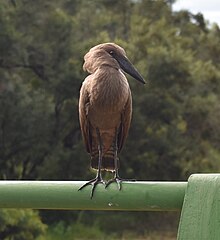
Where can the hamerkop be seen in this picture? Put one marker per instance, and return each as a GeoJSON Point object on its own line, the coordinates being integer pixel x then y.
{"type": "Point", "coordinates": [105, 108]}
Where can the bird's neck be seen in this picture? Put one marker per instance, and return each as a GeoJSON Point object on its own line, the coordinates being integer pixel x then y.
{"type": "Point", "coordinates": [111, 85]}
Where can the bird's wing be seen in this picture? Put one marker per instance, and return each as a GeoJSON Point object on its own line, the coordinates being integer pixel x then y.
{"type": "Point", "coordinates": [125, 123]}
{"type": "Point", "coordinates": [83, 117]}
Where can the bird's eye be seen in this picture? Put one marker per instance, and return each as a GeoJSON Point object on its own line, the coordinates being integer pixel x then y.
{"type": "Point", "coordinates": [111, 52]}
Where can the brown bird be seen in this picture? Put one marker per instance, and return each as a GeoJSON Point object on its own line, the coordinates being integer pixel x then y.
{"type": "Point", "coordinates": [105, 108]}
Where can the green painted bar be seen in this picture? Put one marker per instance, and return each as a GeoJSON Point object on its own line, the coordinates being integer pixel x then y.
{"type": "Point", "coordinates": [134, 196]}
{"type": "Point", "coordinates": [200, 216]}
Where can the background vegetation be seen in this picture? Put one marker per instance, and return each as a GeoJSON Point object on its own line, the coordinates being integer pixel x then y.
{"type": "Point", "coordinates": [175, 128]}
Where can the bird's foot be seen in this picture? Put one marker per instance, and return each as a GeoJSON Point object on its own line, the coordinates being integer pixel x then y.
{"type": "Point", "coordinates": [118, 180]}
{"type": "Point", "coordinates": [94, 182]}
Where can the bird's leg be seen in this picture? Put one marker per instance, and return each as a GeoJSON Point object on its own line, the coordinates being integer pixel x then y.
{"type": "Point", "coordinates": [98, 179]}
{"type": "Point", "coordinates": [116, 177]}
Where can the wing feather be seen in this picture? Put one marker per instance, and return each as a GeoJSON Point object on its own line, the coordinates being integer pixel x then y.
{"type": "Point", "coordinates": [125, 122]}
{"type": "Point", "coordinates": [84, 104]}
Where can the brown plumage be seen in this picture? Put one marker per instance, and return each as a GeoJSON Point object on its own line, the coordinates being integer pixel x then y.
{"type": "Point", "coordinates": [105, 107]}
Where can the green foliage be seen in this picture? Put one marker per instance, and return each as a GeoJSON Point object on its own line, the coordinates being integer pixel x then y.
{"type": "Point", "coordinates": [74, 231]}
{"type": "Point", "coordinates": [20, 225]}
{"type": "Point", "coordinates": [114, 225]}
{"type": "Point", "coordinates": [175, 129]}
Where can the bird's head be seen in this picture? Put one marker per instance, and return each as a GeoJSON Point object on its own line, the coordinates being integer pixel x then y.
{"type": "Point", "coordinates": [112, 55]}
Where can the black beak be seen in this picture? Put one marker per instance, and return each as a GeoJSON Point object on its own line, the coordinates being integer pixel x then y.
{"type": "Point", "coordinates": [127, 66]}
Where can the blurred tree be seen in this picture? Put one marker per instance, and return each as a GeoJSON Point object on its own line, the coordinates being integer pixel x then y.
{"type": "Point", "coordinates": [174, 130]}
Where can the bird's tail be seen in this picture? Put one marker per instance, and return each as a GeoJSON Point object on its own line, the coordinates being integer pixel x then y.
{"type": "Point", "coordinates": [108, 162]}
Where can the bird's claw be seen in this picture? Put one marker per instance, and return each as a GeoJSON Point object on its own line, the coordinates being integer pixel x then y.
{"type": "Point", "coordinates": [115, 179]}
{"type": "Point", "coordinates": [118, 180]}
{"type": "Point", "coordinates": [94, 182]}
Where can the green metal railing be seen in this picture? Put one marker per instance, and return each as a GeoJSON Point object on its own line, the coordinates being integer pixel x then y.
{"type": "Point", "coordinates": [134, 196]}
{"type": "Point", "coordinates": [198, 200]}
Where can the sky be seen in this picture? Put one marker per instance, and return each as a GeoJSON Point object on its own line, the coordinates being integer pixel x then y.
{"type": "Point", "coordinates": [209, 8]}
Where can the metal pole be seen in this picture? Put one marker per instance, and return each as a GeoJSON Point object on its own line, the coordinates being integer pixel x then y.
{"type": "Point", "coordinates": [134, 196]}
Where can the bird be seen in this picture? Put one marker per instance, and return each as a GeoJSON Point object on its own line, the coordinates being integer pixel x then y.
{"type": "Point", "coordinates": [105, 109]}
